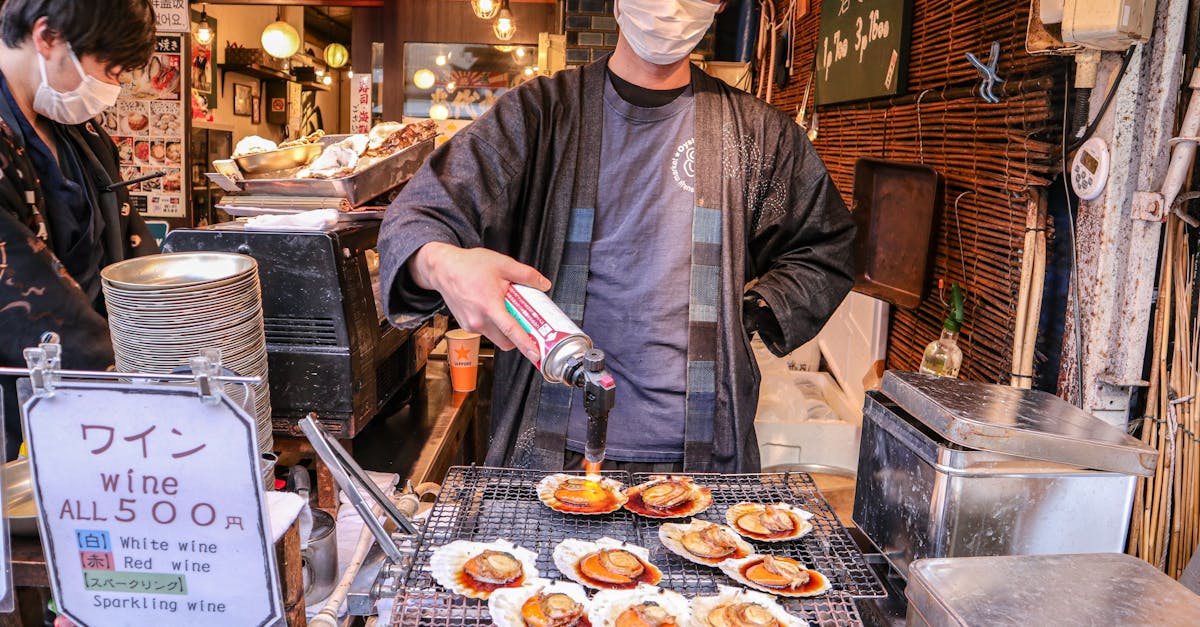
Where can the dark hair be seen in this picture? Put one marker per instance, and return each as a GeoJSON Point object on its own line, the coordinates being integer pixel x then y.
{"type": "Point", "coordinates": [119, 33]}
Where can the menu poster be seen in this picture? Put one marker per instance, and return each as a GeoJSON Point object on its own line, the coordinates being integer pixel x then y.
{"type": "Point", "coordinates": [151, 512]}
{"type": "Point", "coordinates": [172, 15]}
{"type": "Point", "coordinates": [147, 124]}
{"type": "Point", "coordinates": [360, 104]}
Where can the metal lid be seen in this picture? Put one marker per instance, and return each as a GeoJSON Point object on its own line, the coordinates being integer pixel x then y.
{"type": "Point", "coordinates": [1024, 423]}
{"type": "Point", "coordinates": [1060, 590]}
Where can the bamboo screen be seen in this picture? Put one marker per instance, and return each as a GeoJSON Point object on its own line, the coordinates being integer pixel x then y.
{"type": "Point", "coordinates": [991, 156]}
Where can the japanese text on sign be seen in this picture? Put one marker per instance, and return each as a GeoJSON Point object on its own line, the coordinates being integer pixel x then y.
{"type": "Point", "coordinates": [172, 15]}
{"type": "Point", "coordinates": [153, 510]}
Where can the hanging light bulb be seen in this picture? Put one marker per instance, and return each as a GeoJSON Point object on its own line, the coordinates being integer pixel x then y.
{"type": "Point", "coordinates": [204, 31]}
{"type": "Point", "coordinates": [350, 74]}
{"type": "Point", "coordinates": [451, 86]}
{"type": "Point", "coordinates": [327, 79]}
{"type": "Point", "coordinates": [485, 9]}
{"type": "Point", "coordinates": [336, 55]}
{"type": "Point", "coordinates": [439, 111]}
{"type": "Point", "coordinates": [505, 25]}
{"type": "Point", "coordinates": [440, 60]}
{"type": "Point", "coordinates": [280, 39]}
{"type": "Point", "coordinates": [423, 78]}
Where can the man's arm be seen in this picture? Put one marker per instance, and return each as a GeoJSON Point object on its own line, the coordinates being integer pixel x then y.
{"type": "Point", "coordinates": [805, 256]}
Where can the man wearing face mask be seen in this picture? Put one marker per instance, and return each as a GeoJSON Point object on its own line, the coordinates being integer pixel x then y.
{"type": "Point", "coordinates": [676, 215]}
{"type": "Point", "coordinates": [61, 219]}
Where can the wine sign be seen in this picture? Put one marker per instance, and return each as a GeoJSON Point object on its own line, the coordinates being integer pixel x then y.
{"type": "Point", "coordinates": [862, 50]}
{"type": "Point", "coordinates": [150, 505]}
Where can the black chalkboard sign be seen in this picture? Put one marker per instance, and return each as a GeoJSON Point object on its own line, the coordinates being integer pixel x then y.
{"type": "Point", "coordinates": [862, 50]}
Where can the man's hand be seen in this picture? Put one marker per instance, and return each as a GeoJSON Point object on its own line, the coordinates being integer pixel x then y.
{"type": "Point", "coordinates": [473, 282]}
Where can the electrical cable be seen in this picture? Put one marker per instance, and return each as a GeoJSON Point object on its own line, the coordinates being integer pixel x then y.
{"type": "Point", "coordinates": [1077, 317]}
{"type": "Point", "coordinates": [1112, 91]}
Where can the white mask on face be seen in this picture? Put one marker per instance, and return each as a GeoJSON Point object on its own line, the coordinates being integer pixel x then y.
{"type": "Point", "coordinates": [664, 31]}
{"type": "Point", "coordinates": [85, 102]}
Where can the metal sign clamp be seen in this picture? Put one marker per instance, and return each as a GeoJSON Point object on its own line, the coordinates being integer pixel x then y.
{"type": "Point", "coordinates": [44, 361]}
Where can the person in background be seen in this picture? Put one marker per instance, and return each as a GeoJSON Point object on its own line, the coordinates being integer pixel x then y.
{"type": "Point", "coordinates": [61, 217]}
{"type": "Point", "coordinates": [677, 216]}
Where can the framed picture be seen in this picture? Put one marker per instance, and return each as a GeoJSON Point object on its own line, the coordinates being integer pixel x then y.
{"type": "Point", "coordinates": [241, 100]}
{"type": "Point", "coordinates": [255, 110]}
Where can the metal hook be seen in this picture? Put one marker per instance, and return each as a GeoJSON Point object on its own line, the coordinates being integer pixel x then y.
{"type": "Point", "coordinates": [988, 71]}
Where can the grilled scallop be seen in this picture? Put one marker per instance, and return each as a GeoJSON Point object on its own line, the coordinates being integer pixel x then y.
{"type": "Point", "coordinates": [668, 497]}
{"type": "Point", "coordinates": [703, 542]}
{"type": "Point", "coordinates": [577, 494]}
{"type": "Point", "coordinates": [778, 575]}
{"type": "Point", "coordinates": [476, 569]}
{"type": "Point", "coordinates": [644, 606]}
{"type": "Point", "coordinates": [735, 607]}
{"type": "Point", "coordinates": [769, 523]}
{"type": "Point", "coordinates": [540, 603]}
{"type": "Point", "coordinates": [605, 564]}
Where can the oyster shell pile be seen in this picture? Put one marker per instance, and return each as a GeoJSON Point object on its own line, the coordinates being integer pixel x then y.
{"type": "Point", "coordinates": [579, 494]}
{"type": "Point", "coordinates": [702, 542]}
{"type": "Point", "coordinates": [605, 564]}
{"type": "Point", "coordinates": [359, 152]}
{"type": "Point", "coordinates": [475, 569]}
{"type": "Point", "coordinates": [769, 523]}
{"type": "Point", "coordinates": [540, 603]}
{"type": "Point", "coordinates": [783, 576]}
{"type": "Point", "coordinates": [668, 497]}
{"type": "Point", "coordinates": [734, 607]}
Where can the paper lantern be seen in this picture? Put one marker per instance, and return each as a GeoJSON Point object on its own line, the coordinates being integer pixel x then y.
{"type": "Point", "coordinates": [280, 40]}
{"type": "Point", "coordinates": [336, 55]}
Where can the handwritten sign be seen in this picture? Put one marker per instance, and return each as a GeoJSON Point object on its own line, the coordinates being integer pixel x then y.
{"type": "Point", "coordinates": [151, 511]}
{"type": "Point", "coordinates": [172, 16]}
{"type": "Point", "coordinates": [862, 49]}
{"type": "Point", "coordinates": [360, 104]}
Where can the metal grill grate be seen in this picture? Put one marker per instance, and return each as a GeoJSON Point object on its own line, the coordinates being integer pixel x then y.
{"type": "Point", "coordinates": [485, 504]}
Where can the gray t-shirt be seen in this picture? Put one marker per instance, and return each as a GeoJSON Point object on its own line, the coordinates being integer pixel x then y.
{"type": "Point", "coordinates": [640, 276]}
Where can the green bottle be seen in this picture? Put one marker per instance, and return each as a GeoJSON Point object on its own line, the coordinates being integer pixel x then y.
{"type": "Point", "coordinates": [943, 357]}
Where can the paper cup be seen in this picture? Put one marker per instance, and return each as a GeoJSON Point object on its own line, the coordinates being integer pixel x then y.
{"type": "Point", "coordinates": [462, 352]}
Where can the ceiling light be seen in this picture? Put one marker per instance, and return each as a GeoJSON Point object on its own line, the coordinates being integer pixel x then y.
{"type": "Point", "coordinates": [485, 9]}
{"type": "Point", "coordinates": [451, 86]}
{"type": "Point", "coordinates": [327, 79]}
{"type": "Point", "coordinates": [336, 55]}
{"type": "Point", "coordinates": [505, 25]}
{"type": "Point", "coordinates": [440, 60]}
{"type": "Point", "coordinates": [280, 39]}
{"type": "Point", "coordinates": [204, 31]}
{"type": "Point", "coordinates": [423, 78]}
{"type": "Point", "coordinates": [439, 111]}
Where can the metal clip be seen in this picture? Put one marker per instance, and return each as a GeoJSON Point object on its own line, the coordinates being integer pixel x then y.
{"type": "Point", "coordinates": [206, 368]}
{"type": "Point", "coordinates": [43, 363]}
{"type": "Point", "coordinates": [990, 78]}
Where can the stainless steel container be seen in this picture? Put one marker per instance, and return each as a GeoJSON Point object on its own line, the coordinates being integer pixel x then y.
{"type": "Point", "coordinates": [1052, 479]}
{"type": "Point", "coordinates": [1059, 590]}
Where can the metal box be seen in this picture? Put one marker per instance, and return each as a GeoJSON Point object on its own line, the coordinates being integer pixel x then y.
{"type": "Point", "coordinates": [1054, 480]}
{"type": "Point", "coordinates": [1059, 590]}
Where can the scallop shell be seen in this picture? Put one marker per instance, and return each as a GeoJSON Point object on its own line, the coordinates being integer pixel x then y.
{"type": "Point", "coordinates": [446, 563]}
{"type": "Point", "coordinates": [701, 498]}
{"type": "Point", "coordinates": [505, 604]}
{"type": "Point", "coordinates": [607, 605]}
{"type": "Point", "coordinates": [671, 536]}
{"type": "Point", "coordinates": [549, 484]}
{"type": "Point", "coordinates": [733, 568]}
{"type": "Point", "coordinates": [569, 552]}
{"type": "Point", "coordinates": [737, 511]}
{"type": "Point", "coordinates": [703, 606]}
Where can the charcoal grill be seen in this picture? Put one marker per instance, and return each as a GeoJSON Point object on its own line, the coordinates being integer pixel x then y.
{"type": "Point", "coordinates": [484, 504]}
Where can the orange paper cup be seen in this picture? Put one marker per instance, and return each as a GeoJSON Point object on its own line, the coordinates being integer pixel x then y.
{"type": "Point", "coordinates": [462, 351]}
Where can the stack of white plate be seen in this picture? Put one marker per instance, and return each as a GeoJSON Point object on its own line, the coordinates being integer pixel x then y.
{"type": "Point", "coordinates": [164, 309]}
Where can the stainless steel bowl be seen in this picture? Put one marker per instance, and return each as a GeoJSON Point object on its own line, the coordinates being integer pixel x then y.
{"type": "Point", "coordinates": [19, 506]}
{"type": "Point", "coordinates": [275, 160]}
{"type": "Point", "coordinates": [176, 270]}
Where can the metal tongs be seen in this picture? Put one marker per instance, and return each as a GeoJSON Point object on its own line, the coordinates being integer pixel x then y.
{"type": "Point", "coordinates": [352, 479]}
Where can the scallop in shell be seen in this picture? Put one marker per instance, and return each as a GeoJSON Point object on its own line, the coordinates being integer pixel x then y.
{"type": "Point", "coordinates": [451, 564]}
{"type": "Point", "coordinates": [783, 576]}
{"type": "Point", "coordinates": [508, 606]}
{"type": "Point", "coordinates": [639, 607]}
{"type": "Point", "coordinates": [579, 494]}
{"type": "Point", "coordinates": [769, 523]}
{"type": "Point", "coordinates": [668, 497]}
{"type": "Point", "coordinates": [703, 542]}
{"type": "Point", "coordinates": [737, 607]}
{"type": "Point", "coordinates": [605, 564]}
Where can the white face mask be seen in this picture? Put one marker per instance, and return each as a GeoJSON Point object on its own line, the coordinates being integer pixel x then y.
{"type": "Point", "coordinates": [664, 31]}
{"type": "Point", "coordinates": [85, 102]}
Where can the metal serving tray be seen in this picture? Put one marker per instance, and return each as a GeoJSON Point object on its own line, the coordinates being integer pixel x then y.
{"type": "Point", "coordinates": [358, 188]}
{"type": "Point", "coordinates": [485, 504]}
{"type": "Point", "coordinates": [1024, 423]}
{"type": "Point", "coordinates": [1060, 590]}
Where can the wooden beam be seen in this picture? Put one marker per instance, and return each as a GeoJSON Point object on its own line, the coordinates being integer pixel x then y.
{"type": "Point", "coordinates": [301, 3]}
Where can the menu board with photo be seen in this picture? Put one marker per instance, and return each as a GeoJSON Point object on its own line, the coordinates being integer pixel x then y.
{"type": "Point", "coordinates": [147, 125]}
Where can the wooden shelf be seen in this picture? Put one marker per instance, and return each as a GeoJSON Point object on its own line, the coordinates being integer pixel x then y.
{"type": "Point", "coordinates": [260, 72]}
{"type": "Point", "coordinates": [313, 86]}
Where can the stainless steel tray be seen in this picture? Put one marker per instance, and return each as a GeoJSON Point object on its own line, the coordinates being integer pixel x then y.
{"type": "Point", "coordinates": [1025, 423]}
{"type": "Point", "coordinates": [359, 187]}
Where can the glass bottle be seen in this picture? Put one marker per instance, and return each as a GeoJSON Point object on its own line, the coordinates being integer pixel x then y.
{"type": "Point", "coordinates": [943, 357]}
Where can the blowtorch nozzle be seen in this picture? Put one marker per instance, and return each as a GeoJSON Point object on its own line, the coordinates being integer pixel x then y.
{"type": "Point", "coordinates": [599, 392]}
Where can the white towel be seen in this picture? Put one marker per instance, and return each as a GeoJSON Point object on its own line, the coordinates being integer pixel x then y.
{"type": "Point", "coordinates": [315, 220]}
